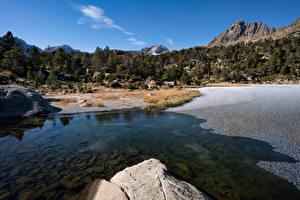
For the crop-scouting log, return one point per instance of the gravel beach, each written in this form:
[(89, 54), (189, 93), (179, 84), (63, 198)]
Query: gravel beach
[(269, 113)]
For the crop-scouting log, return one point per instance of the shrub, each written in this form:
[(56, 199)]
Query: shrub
[(130, 87), (70, 85)]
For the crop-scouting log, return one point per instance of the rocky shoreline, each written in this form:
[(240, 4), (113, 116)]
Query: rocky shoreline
[(18, 101)]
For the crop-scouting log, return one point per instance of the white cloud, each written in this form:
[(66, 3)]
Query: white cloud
[(169, 41), (131, 39), (100, 20), (81, 20), (136, 42), (141, 43)]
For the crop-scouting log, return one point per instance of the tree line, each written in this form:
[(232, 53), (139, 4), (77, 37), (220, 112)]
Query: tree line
[(242, 62)]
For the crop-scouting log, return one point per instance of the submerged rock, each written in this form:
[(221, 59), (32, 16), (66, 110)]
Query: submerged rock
[(147, 180), (17, 101)]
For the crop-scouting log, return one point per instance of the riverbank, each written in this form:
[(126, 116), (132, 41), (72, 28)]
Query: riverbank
[(108, 99), (268, 113)]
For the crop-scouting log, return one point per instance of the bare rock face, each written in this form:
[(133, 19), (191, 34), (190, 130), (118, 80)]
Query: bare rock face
[(147, 180), (155, 50), (17, 101), (109, 191), (241, 31)]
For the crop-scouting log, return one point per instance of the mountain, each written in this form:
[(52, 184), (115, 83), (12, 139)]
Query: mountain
[(26, 47), (155, 50), (241, 31), (66, 48)]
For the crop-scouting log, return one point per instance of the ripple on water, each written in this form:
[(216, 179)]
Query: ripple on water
[(59, 162)]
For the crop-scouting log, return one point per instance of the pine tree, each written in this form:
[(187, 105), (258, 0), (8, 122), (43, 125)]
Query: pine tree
[(40, 77), (29, 75), (14, 60), (34, 56), (97, 60), (35, 82), (85, 60), (185, 78), (59, 59), (51, 78)]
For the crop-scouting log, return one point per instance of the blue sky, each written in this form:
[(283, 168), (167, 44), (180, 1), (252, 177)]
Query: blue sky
[(134, 24)]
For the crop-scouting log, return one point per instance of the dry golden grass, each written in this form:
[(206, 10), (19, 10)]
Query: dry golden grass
[(156, 99), (90, 103), (106, 97), (228, 84), (163, 99), (66, 101), (99, 104)]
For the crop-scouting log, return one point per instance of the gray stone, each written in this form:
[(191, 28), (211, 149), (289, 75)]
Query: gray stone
[(155, 50), (150, 180), (146, 180), (17, 101), (241, 31), (109, 191)]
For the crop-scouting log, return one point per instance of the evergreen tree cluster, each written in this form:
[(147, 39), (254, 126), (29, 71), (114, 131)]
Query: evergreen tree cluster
[(251, 62)]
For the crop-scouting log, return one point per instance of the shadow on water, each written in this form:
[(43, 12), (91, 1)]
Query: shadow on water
[(59, 156)]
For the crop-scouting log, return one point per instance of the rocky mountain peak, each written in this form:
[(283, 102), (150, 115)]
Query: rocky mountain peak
[(239, 21), (155, 50), (66, 48), (26, 47), (242, 30)]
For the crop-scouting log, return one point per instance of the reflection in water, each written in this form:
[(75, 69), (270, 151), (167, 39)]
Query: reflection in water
[(67, 153), (16, 128), (65, 120)]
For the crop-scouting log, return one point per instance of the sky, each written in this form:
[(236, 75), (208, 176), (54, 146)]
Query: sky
[(134, 24)]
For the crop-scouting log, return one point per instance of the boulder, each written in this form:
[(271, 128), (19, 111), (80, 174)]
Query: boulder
[(103, 190), (147, 180), (17, 101)]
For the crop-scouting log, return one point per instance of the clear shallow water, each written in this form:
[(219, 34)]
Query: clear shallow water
[(56, 158)]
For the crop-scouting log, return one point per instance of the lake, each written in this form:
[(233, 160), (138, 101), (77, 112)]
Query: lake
[(56, 157)]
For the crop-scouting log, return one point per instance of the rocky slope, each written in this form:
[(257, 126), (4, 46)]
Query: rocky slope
[(26, 47), (146, 180), (241, 31), (155, 50), (17, 101)]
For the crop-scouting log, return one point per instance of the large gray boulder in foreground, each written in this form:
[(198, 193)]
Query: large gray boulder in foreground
[(146, 180), (17, 101)]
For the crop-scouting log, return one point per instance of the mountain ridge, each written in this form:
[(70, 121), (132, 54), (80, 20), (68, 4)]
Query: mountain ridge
[(154, 50), (66, 48), (242, 31), (26, 47)]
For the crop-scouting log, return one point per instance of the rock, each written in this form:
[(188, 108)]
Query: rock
[(66, 48), (81, 101), (96, 76), (147, 180), (155, 50), (17, 101), (109, 191), (241, 31)]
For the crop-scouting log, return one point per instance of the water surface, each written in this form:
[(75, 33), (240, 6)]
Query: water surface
[(57, 157)]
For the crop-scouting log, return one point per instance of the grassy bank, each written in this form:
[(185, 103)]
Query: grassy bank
[(161, 100)]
